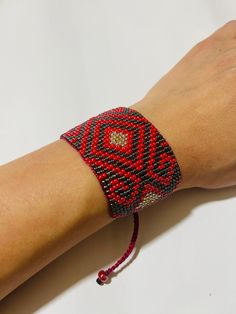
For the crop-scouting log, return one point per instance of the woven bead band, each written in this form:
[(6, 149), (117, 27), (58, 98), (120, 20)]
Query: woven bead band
[(134, 164)]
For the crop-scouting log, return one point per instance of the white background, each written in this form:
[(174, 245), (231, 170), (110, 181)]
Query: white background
[(62, 61)]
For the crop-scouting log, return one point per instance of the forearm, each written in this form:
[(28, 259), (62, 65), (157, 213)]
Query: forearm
[(50, 200)]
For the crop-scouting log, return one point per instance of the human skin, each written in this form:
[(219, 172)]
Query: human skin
[(194, 107), (45, 196)]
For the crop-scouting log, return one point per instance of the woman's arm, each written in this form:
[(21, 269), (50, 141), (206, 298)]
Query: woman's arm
[(50, 199)]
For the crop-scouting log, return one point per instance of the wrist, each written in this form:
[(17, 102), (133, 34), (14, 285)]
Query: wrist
[(172, 129)]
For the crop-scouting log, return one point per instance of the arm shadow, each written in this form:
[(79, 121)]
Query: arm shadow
[(102, 248)]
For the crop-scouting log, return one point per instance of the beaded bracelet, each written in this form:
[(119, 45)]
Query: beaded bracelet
[(134, 164)]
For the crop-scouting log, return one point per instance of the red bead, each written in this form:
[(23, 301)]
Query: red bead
[(102, 276)]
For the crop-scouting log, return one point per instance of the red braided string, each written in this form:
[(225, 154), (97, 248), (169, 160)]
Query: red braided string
[(104, 274)]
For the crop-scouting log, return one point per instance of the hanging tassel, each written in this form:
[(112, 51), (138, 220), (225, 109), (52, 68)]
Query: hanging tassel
[(103, 275)]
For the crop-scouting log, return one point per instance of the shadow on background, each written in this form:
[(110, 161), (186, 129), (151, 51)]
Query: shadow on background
[(104, 247)]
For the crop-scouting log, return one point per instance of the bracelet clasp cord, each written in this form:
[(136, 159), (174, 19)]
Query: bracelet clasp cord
[(103, 275)]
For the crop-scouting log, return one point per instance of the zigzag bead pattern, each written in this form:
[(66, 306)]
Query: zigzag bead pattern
[(134, 164)]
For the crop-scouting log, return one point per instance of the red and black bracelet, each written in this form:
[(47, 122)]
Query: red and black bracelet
[(134, 164)]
